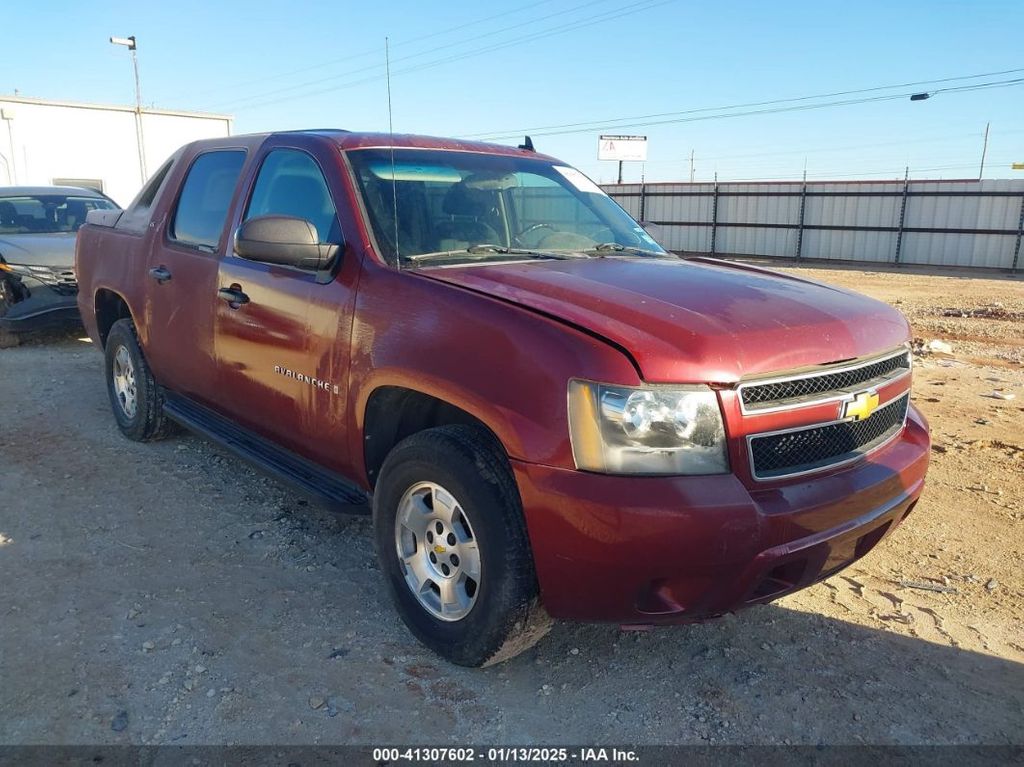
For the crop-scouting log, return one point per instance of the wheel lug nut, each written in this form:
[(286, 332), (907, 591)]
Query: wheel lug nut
[(445, 569), (455, 560), (433, 558), (439, 527), (451, 539), (430, 537)]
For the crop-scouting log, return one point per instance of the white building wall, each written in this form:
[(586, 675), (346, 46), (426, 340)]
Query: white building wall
[(41, 141)]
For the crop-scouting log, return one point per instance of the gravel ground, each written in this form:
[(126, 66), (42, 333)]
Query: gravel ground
[(165, 593)]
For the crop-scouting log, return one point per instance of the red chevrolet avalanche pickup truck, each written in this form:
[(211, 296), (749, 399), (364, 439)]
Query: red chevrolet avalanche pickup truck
[(546, 412)]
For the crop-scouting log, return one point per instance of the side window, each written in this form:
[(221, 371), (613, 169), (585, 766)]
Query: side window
[(136, 217), (148, 193), (290, 183), (206, 197)]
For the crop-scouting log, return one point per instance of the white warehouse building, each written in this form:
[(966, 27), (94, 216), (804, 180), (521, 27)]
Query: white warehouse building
[(110, 148)]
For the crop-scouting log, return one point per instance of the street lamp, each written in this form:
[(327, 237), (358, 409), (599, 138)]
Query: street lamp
[(129, 43), (984, 143)]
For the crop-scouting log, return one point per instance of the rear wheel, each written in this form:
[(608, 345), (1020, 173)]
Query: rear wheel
[(134, 395), (452, 544)]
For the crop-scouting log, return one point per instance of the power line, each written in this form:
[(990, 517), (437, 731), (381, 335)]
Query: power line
[(757, 155), (606, 16), (895, 173), (643, 5), (590, 125), (776, 110), (407, 57), (373, 51)]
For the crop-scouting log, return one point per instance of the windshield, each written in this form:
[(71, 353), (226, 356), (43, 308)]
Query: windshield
[(456, 202), (47, 213)]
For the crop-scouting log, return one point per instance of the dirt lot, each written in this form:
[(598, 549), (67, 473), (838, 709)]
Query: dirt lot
[(165, 593)]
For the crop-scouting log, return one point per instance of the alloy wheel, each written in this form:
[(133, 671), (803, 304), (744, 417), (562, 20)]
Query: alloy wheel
[(124, 381), (437, 551)]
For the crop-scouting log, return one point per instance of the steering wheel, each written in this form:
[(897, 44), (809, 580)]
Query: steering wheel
[(533, 228)]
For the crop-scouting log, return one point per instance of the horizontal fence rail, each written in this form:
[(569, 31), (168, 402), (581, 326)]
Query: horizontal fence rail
[(939, 223)]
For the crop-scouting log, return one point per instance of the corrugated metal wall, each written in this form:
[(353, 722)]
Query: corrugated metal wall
[(948, 223)]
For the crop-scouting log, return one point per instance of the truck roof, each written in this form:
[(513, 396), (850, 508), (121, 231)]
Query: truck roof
[(348, 140)]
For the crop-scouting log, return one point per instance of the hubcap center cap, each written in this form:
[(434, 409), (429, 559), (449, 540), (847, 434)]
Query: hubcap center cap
[(442, 549)]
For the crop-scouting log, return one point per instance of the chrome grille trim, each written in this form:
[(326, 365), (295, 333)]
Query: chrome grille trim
[(828, 395), (862, 451)]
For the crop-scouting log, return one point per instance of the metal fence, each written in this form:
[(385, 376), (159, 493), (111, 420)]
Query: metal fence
[(941, 223)]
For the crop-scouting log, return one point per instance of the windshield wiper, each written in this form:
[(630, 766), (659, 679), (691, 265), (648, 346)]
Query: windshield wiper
[(484, 249), (618, 247), (489, 248)]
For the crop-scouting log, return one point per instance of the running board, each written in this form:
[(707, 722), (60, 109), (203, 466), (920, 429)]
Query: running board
[(319, 484)]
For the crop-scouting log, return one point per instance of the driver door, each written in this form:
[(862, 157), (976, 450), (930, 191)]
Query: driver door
[(282, 353)]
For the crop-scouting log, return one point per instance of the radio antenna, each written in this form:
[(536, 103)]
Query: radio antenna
[(391, 131)]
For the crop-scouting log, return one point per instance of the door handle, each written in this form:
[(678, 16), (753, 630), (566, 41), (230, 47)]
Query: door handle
[(233, 295), (160, 273)]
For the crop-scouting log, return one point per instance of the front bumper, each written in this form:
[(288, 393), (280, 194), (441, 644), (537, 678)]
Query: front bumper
[(649, 550), (29, 302)]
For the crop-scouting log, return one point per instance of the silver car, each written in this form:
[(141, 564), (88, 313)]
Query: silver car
[(37, 250)]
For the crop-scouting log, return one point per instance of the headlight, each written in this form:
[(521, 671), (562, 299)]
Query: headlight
[(647, 430)]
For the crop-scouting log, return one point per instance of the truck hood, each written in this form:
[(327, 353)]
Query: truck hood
[(39, 249), (696, 320)]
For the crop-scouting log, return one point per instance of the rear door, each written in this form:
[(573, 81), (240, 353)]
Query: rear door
[(182, 275), (283, 353)]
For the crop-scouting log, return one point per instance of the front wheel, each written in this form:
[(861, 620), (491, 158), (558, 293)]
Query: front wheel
[(452, 544)]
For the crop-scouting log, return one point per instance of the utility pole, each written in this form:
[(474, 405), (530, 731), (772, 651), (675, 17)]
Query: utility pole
[(140, 137), (984, 151), (620, 171), (691, 166)]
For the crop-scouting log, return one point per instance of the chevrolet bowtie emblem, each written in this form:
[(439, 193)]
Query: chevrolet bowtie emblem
[(862, 405)]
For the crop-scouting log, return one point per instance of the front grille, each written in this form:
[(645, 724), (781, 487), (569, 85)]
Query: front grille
[(822, 385), (802, 450)]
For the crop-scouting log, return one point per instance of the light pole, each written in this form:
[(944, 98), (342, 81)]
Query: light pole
[(12, 170), (140, 138)]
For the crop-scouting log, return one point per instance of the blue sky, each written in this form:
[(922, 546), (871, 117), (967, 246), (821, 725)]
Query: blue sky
[(463, 68)]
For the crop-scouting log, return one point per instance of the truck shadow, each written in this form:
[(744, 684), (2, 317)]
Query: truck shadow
[(774, 674)]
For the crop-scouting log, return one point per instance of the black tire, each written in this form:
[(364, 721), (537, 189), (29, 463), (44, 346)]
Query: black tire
[(506, 617), (148, 421)]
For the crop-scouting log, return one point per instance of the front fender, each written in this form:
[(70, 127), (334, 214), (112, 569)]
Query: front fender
[(506, 365)]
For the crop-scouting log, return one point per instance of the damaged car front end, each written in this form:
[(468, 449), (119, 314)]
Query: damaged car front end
[(38, 226)]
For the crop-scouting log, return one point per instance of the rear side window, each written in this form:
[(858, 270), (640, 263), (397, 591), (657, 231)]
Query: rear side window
[(136, 217), (205, 198), (148, 193)]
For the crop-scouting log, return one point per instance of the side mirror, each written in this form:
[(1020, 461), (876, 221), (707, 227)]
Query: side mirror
[(283, 240)]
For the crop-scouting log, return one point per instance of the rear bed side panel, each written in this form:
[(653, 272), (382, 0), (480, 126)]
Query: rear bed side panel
[(108, 259)]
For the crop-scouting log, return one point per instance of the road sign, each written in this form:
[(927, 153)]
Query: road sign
[(622, 148)]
